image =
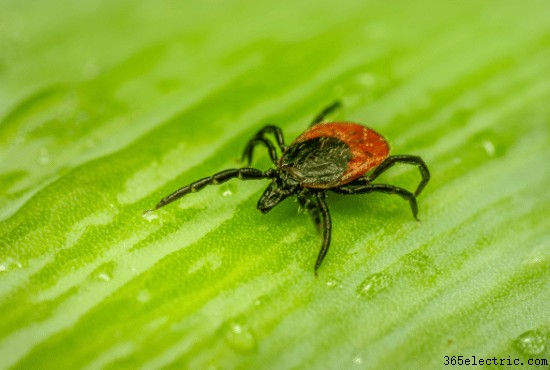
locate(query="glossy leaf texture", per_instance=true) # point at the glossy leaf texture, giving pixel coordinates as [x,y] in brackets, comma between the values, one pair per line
[106,107]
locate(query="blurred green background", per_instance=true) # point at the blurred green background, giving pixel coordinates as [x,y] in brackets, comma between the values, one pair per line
[105,107]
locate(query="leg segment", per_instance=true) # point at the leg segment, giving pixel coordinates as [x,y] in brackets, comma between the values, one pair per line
[312,208]
[382,188]
[407,159]
[260,138]
[326,227]
[247,154]
[325,112]
[218,178]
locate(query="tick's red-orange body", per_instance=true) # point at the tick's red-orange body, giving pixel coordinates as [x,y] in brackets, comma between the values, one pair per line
[367,148]
[341,157]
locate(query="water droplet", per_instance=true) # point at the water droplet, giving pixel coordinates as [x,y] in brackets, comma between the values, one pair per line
[239,337]
[373,285]
[44,156]
[227,189]
[210,261]
[103,276]
[143,296]
[531,343]
[90,69]
[494,143]
[357,360]
[149,215]
[366,79]
[489,147]
[420,267]
[9,264]
[334,283]
[290,238]
[104,272]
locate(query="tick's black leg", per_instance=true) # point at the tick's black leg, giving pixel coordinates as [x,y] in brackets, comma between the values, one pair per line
[218,178]
[260,138]
[407,159]
[382,188]
[312,208]
[326,227]
[325,112]
[247,154]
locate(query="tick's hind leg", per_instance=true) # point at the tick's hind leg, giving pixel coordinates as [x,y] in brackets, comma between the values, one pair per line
[326,228]
[351,189]
[260,138]
[407,159]
[325,112]
[311,206]
[218,178]
[315,204]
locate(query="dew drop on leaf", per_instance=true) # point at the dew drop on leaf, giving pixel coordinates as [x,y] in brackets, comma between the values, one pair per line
[44,157]
[149,216]
[531,342]
[227,190]
[239,337]
[333,283]
[489,147]
[357,361]
[10,264]
[103,276]
[104,272]
[373,285]
[143,296]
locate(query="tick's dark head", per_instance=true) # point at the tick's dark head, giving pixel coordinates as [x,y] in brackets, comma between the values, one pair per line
[281,187]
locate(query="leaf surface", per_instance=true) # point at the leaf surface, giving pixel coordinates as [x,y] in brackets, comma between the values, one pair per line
[106,107]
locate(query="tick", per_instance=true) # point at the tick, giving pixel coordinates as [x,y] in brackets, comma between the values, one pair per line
[342,157]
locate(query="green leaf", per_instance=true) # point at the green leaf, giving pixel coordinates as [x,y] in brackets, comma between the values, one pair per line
[106,107]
